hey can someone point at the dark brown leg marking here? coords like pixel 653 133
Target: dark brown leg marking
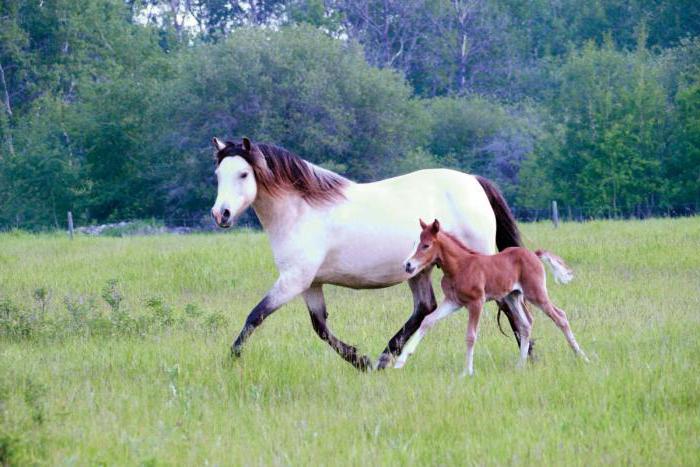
pixel 424 303
pixel 319 315
pixel 261 311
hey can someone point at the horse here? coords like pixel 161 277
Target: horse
pixel 326 229
pixel 470 279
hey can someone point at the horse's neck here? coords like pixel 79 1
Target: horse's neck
pixel 278 214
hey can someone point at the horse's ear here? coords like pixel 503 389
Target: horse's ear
pixel 423 225
pixel 435 228
pixel 218 145
pixel 257 156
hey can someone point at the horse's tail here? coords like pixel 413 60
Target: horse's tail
pixel 507 235
pixel 562 273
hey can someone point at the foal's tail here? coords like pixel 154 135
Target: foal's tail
pixel 562 273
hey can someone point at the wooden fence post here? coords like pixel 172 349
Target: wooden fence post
pixel 555 214
pixel 70 225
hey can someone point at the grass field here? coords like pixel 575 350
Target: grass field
pixel 115 351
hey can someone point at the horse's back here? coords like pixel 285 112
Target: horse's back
pixel 455 198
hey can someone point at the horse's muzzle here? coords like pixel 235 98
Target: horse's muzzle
pixel 222 218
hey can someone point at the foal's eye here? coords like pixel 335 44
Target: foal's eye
pixel 244 174
pixel 424 246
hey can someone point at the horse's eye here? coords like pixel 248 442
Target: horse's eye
pixel 424 246
pixel 244 174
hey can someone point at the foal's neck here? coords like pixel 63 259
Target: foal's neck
pixel 452 251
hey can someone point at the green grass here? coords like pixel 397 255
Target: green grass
pixel 149 381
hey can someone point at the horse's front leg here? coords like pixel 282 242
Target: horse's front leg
pixel 424 303
pixel 317 310
pixel 285 289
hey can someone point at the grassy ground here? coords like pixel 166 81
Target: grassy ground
pixel 115 351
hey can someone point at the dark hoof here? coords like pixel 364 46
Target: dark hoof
pixel 384 361
pixel 235 351
pixel 363 363
pixel 531 351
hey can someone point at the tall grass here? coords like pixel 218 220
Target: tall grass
pixel 115 351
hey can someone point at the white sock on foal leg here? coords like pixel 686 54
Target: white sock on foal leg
pixel 525 330
pixel 429 321
pixel 409 348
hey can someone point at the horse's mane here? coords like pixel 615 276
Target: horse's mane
pixel 459 243
pixel 287 172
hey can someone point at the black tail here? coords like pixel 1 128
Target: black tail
pixel 507 235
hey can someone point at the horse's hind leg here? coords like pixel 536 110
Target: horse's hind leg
pixel 524 323
pixel 424 303
pixel 560 319
pixel 317 310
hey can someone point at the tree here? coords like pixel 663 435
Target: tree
pixel 615 119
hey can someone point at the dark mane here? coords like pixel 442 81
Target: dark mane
pixel 459 243
pixel 283 171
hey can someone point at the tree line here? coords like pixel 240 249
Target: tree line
pixel 108 106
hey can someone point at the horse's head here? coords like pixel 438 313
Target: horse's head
pixel 426 251
pixel 237 167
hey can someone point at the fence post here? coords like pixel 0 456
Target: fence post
pixel 70 225
pixel 555 214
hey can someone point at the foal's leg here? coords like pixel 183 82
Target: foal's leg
pixel 317 310
pixel 560 319
pixel 423 304
pixel 285 288
pixel 475 309
pixel 446 308
pixel 514 320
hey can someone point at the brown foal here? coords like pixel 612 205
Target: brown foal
pixel 470 279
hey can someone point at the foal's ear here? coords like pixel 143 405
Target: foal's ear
pixel 218 145
pixel 423 225
pixel 435 228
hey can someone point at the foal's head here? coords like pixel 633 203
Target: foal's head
pixel 238 166
pixel 427 248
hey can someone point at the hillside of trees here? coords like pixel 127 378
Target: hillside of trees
pixel 107 107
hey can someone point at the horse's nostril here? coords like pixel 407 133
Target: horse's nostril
pixel 225 215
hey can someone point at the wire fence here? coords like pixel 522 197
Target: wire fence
pixel 202 222
pixel 570 213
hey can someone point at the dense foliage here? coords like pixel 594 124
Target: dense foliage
pixel 107 107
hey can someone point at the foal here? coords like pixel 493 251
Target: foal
pixel 470 279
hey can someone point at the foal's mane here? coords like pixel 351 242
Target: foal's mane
pixel 284 171
pixel 459 243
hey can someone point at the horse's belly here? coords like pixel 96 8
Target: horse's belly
pixel 367 264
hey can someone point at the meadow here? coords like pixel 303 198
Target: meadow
pixel 115 351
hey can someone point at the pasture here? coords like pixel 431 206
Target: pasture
pixel 115 351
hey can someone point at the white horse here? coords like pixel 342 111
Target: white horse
pixel 325 229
